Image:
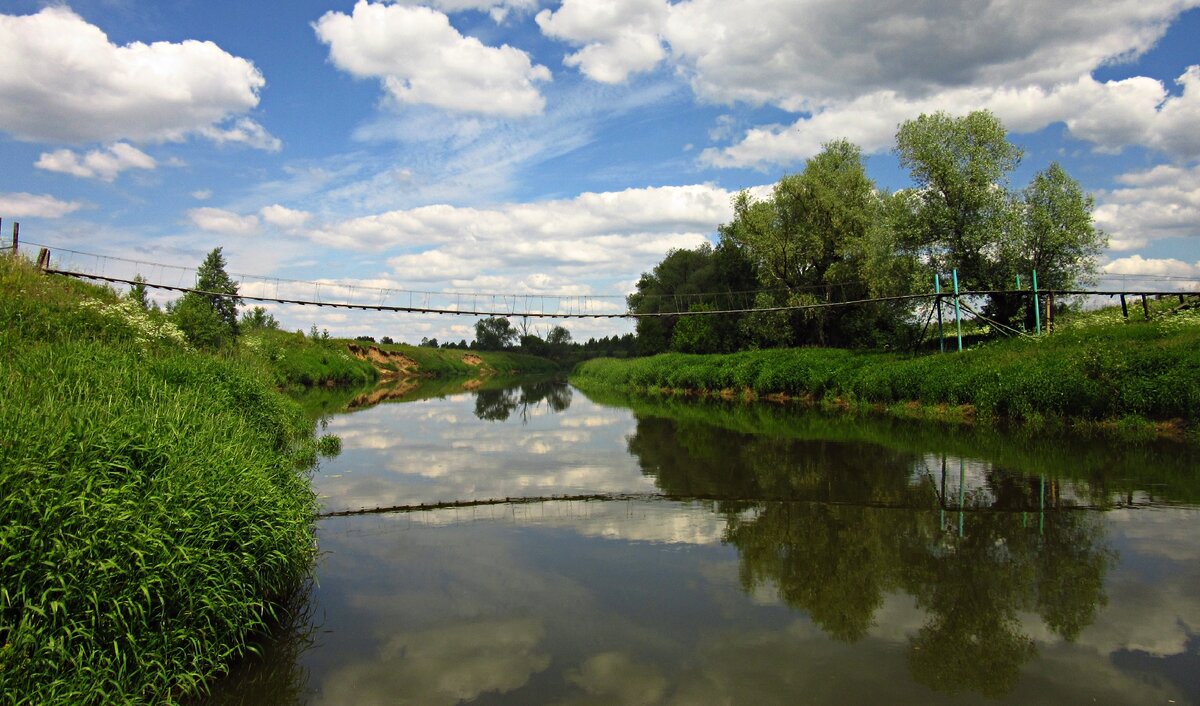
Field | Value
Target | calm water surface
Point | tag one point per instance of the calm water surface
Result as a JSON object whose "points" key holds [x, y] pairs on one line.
{"points": [[745, 555]]}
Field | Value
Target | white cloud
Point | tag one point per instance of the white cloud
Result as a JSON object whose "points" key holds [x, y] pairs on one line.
{"points": [[1111, 115], [246, 132], [1163, 202], [61, 79], [104, 164], [202, 194], [421, 58], [856, 70], [283, 217], [22, 205], [218, 220], [619, 38], [499, 11], [1138, 265], [656, 210]]}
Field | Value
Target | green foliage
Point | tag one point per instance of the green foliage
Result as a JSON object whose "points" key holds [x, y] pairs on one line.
{"points": [[1083, 372], [258, 319], [154, 519], [292, 360], [209, 319], [494, 333], [707, 277]]}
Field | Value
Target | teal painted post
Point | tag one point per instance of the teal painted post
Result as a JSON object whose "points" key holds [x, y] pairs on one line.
{"points": [[1018, 281], [1037, 305], [957, 312], [937, 287], [962, 492], [1042, 509]]}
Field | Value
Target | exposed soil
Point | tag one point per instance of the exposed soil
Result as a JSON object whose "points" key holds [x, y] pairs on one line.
{"points": [[472, 359], [389, 363]]}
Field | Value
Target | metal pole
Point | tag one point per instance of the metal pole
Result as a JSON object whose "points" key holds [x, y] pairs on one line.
{"points": [[957, 312], [962, 492], [1037, 305], [1042, 508], [937, 287]]}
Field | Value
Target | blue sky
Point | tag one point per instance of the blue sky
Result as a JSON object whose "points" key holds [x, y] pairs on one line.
{"points": [[546, 148]]}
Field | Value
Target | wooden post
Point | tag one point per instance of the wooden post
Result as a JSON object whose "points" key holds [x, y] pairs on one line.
{"points": [[1145, 307], [43, 259], [1050, 312], [16, 239], [1124, 308]]}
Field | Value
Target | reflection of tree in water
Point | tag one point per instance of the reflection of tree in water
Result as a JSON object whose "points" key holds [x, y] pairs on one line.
{"points": [[498, 405], [835, 527]]}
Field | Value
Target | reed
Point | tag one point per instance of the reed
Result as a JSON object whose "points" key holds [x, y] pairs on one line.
{"points": [[152, 516]]}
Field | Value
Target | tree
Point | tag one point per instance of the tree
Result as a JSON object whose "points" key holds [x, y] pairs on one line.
{"points": [[208, 315], [494, 333], [714, 277], [1059, 238], [257, 319], [963, 215], [137, 292], [965, 218], [809, 243]]}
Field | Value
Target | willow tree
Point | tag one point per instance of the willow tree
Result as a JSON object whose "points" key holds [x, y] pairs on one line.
{"points": [[812, 240]]}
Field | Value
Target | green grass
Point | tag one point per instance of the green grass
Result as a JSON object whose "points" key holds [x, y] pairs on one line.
{"points": [[152, 515], [293, 360], [1095, 369]]}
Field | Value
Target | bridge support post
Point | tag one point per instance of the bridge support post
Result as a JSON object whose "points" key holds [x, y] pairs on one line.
{"points": [[957, 312]]}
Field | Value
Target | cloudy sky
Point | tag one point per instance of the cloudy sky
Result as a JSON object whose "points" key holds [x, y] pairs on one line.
{"points": [[543, 148]]}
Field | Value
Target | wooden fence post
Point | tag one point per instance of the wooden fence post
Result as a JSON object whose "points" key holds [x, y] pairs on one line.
{"points": [[1124, 308], [1145, 307], [16, 239]]}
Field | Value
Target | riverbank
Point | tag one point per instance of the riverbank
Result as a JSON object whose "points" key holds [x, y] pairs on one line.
{"points": [[155, 510], [1096, 372]]}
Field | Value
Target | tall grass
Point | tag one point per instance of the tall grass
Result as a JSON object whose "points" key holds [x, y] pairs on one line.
{"points": [[1097, 368], [152, 517]]}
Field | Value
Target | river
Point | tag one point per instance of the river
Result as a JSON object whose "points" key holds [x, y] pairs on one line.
{"points": [[659, 551]]}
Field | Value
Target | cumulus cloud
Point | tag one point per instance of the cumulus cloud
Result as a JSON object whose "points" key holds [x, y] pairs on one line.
{"points": [[246, 132], [62, 80], [22, 205], [104, 164], [1138, 265], [1109, 114], [499, 11], [856, 70], [284, 217], [656, 210], [618, 38], [1163, 202], [421, 58], [218, 220]]}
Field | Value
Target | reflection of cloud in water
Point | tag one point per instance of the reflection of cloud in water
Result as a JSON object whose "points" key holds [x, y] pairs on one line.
{"points": [[591, 422], [632, 521], [1155, 609], [443, 665], [614, 678]]}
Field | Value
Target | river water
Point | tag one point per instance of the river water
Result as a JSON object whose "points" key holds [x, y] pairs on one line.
{"points": [[674, 552]]}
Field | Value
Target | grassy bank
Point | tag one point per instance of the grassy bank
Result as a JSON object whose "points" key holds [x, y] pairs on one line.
{"points": [[294, 361], [1164, 467], [1095, 370], [152, 517]]}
